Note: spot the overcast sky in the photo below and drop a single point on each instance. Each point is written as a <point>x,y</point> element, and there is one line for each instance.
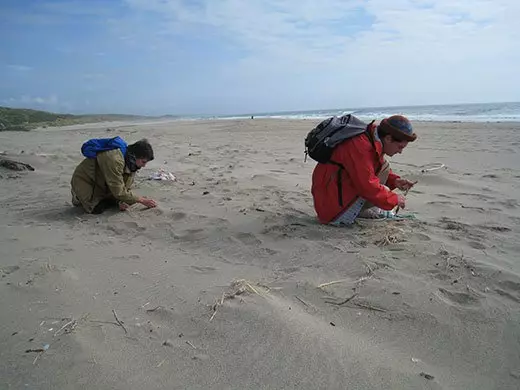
<point>247,56</point>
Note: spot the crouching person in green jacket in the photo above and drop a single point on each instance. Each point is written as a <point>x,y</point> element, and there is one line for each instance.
<point>104,178</point>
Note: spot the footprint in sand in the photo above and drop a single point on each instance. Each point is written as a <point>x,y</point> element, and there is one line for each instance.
<point>509,203</point>
<point>422,237</point>
<point>439,275</point>
<point>9,269</point>
<point>455,298</point>
<point>444,196</point>
<point>449,224</point>
<point>494,228</point>
<point>444,202</point>
<point>509,289</point>
<point>177,216</point>
<point>191,235</point>
<point>476,196</point>
<point>477,245</point>
<point>248,239</point>
<point>202,270</point>
<point>507,295</point>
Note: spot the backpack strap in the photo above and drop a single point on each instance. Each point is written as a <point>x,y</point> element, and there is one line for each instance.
<point>372,140</point>
<point>339,180</point>
<point>341,168</point>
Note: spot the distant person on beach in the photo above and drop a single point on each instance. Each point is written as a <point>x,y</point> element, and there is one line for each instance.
<point>358,182</point>
<point>104,178</point>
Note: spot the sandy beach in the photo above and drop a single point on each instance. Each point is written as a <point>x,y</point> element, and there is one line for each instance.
<point>231,283</point>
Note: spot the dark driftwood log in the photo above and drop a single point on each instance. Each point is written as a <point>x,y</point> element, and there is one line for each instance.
<point>15,165</point>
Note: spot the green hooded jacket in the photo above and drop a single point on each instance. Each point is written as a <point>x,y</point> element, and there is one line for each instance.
<point>103,177</point>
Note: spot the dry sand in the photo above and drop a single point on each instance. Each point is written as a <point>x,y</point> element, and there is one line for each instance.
<point>218,288</point>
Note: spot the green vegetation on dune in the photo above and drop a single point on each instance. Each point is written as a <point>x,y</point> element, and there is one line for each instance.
<point>26,119</point>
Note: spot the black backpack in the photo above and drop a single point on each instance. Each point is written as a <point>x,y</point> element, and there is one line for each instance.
<point>321,141</point>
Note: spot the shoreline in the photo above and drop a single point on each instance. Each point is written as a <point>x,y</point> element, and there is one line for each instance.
<point>121,124</point>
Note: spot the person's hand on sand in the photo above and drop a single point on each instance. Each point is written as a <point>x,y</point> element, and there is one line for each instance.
<point>401,201</point>
<point>404,184</point>
<point>150,203</point>
<point>123,206</point>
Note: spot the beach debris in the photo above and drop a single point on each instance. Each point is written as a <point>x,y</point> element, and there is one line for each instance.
<point>415,360</point>
<point>369,307</point>
<point>15,165</point>
<point>67,328</point>
<point>432,167</point>
<point>216,306</point>
<point>405,193</point>
<point>205,193</point>
<point>39,352</point>
<point>332,323</point>
<point>238,287</point>
<point>163,175</point>
<point>427,376</point>
<point>190,344</point>
<point>118,321</point>
<point>342,302</point>
<point>301,300</point>
<point>333,282</point>
<point>168,343</point>
<point>161,363</point>
<point>154,309</point>
<point>390,235</point>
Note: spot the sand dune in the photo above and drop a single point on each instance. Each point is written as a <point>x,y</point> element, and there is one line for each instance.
<point>227,284</point>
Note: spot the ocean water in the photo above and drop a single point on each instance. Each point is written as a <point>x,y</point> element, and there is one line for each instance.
<point>488,112</point>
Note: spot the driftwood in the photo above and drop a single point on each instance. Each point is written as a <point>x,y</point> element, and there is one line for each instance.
<point>15,165</point>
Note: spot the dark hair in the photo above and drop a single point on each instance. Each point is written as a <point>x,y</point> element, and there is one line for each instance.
<point>141,149</point>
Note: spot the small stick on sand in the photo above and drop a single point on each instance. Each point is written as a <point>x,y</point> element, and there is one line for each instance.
<point>342,302</point>
<point>301,300</point>
<point>362,305</point>
<point>190,344</point>
<point>216,306</point>
<point>405,193</point>
<point>154,309</point>
<point>37,357</point>
<point>252,288</point>
<point>119,322</point>
<point>331,283</point>
<point>161,363</point>
<point>73,324</point>
<point>105,322</point>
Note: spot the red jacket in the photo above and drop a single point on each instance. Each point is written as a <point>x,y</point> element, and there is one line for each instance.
<point>358,179</point>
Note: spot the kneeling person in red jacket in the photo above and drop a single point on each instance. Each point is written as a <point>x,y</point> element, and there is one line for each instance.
<point>366,182</point>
